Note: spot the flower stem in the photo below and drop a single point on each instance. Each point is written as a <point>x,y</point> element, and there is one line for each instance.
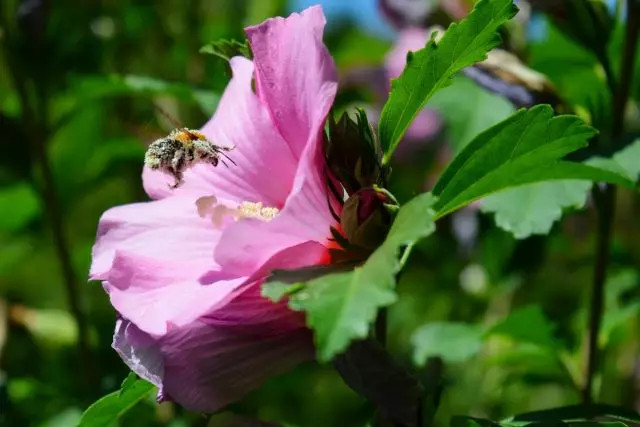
<point>605,199</point>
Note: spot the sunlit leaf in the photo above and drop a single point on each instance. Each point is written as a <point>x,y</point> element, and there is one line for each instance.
<point>106,411</point>
<point>430,69</point>
<point>526,148</point>
<point>625,161</point>
<point>532,209</point>
<point>453,342</point>
<point>340,307</point>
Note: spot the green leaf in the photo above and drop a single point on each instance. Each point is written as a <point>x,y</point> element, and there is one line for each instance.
<point>227,49</point>
<point>373,373</point>
<point>464,421</point>
<point>430,69</point>
<point>453,342</point>
<point>523,149</point>
<point>577,412</point>
<point>66,418</point>
<point>527,325</point>
<point>468,110</point>
<point>90,88</point>
<point>532,209</point>
<point>625,162</point>
<point>617,311</point>
<point>106,411</point>
<point>24,206</point>
<point>340,307</point>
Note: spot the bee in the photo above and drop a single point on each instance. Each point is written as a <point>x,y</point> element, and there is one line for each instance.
<point>181,149</point>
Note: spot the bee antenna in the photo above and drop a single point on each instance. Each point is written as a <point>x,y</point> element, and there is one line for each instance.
<point>227,157</point>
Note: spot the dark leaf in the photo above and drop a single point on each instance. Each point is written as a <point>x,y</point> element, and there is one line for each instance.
<point>371,372</point>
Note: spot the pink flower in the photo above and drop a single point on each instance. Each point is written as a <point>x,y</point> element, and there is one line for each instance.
<point>184,271</point>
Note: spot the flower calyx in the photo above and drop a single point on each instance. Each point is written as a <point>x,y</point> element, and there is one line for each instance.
<point>367,216</point>
<point>353,152</point>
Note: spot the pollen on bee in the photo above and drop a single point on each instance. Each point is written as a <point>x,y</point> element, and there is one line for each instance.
<point>183,137</point>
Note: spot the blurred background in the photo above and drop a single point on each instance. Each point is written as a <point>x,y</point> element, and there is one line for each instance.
<point>78,86</point>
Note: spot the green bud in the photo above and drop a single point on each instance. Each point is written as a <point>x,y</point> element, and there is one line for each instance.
<point>353,153</point>
<point>366,218</point>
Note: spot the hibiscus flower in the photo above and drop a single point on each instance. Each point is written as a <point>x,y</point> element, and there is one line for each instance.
<point>184,271</point>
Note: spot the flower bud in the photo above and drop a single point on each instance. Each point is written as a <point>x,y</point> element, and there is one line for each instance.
<point>365,218</point>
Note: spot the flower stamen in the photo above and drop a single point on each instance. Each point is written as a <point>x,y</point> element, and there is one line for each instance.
<point>257,210</point>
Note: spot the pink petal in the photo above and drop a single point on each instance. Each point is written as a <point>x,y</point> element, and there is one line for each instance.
<point>233,350</point>
<point>156,294</point>
<point>295,74</point>
<point>169,229</point>
<point>241,120</point>
<point>306,217</point>
<point>139,351</point>
<point>217,359</point>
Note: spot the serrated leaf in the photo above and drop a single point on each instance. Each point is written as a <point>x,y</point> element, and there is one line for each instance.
<point>453,342</point>
<point>340,307</point>
<point>527,325</point>
<point>523,149</point>
<point>106,411</point>
<point>430,69</point>
<point>227,49</point>
<point>532,209</point>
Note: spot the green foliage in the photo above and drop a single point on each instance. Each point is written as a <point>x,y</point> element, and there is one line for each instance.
<point>480,110</point>
<point>25,207</point>
<point>106,411</point>
<point>576,413</point>
<point>532,209</point>
<point>624,162</point>
<point>95,87</point>
<point>340,307</point>
<point>453,342</point>
<point>430,69</point>
<point>227,49</point>
<point>525,148</point>
<point>527,325</point>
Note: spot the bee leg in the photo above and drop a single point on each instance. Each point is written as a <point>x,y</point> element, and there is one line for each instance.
<point>177,176</point>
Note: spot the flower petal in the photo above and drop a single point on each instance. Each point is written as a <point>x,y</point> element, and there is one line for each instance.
<point>222,357</point>
<point>169,229</point>
<point>241,120</point>
<point>217,359</point>
<point>155,294</point>
<point>295,74</point>
<point>245,246</point>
